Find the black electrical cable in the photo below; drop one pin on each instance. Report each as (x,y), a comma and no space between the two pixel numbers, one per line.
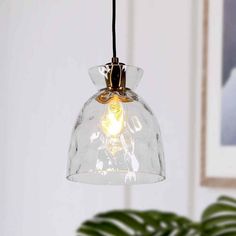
(114,27)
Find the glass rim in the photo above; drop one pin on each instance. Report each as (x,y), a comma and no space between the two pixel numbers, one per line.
(124,65)
(78,178)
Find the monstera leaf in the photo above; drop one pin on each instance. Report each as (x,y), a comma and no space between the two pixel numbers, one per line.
(218,219)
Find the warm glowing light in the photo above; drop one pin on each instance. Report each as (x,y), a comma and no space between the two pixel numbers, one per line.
(113,120)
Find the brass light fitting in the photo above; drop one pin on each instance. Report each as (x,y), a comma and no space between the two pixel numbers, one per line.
(115,82)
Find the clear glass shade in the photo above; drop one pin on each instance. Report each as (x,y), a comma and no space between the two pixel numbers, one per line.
(117,142)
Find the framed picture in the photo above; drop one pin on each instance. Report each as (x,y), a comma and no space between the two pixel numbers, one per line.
(218,140)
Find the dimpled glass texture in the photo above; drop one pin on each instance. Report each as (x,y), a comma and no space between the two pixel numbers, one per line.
(123,149)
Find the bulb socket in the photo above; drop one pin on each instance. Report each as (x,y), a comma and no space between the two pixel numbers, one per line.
(116,77)
(115,83)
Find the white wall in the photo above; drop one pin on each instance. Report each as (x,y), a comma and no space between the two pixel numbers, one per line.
(167,43)
(162,45)
(46,48)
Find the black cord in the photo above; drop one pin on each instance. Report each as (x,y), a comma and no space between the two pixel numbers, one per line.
(114,27)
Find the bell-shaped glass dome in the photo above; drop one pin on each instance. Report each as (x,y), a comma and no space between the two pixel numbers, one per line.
(116,139)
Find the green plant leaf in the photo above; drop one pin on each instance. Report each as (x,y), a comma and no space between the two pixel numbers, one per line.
(138,223)
(89,231)
(124,218)
(104,227)
(227,199)
(219,219)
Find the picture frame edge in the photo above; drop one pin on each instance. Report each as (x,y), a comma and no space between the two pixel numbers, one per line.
(204,180)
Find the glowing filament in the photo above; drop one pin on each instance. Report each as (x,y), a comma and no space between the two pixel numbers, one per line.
(113,120)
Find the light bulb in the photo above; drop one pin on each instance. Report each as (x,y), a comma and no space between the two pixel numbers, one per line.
(112,125)
(112,122)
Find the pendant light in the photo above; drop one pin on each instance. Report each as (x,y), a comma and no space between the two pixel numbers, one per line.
(116,139)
